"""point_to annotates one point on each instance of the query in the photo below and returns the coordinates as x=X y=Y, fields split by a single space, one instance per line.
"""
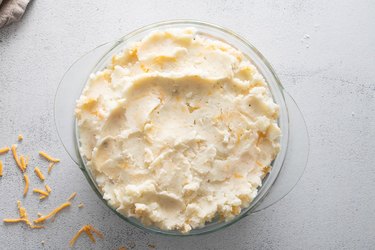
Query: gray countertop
x=324 y=54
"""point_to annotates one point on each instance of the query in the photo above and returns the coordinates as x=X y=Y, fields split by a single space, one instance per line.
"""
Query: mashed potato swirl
x=179 y=128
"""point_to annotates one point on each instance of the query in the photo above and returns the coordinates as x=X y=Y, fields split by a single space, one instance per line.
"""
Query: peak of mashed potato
x=178 y=129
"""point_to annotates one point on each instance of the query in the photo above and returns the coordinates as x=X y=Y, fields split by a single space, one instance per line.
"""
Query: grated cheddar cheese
x=48 y=157
x=50 y=166
x=27 y=181
x=4 y=150
x=42 y=192
x=23 y=162
x=15 y=156
x=49 y=190
x=71 y=197
x=39 y=173
x=89 y=230
x=53 y=213
x=23 y=217
x=15 y=220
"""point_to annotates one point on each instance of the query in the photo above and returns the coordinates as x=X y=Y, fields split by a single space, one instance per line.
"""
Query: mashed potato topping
x=178 y=129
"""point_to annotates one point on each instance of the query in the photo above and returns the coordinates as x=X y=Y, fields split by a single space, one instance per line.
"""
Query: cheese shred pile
x=22 y=162
x=89 y=230
x=23 y=217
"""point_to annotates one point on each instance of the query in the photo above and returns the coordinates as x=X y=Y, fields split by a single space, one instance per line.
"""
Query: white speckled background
x=331 y=75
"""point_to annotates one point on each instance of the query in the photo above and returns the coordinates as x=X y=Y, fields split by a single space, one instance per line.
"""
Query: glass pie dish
x=287 y=167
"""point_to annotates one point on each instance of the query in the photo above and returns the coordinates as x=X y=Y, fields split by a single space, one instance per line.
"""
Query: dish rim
x=275 y=87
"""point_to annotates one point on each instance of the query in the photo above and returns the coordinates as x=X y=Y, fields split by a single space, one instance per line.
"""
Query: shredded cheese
x=96 y=231
x=266 y=170
x=4 y=150
x=42 y=192
x=15 y=156
x=89 y=230
x=24 y=162
x=20 y=137
x=27 y=181
x=49 y=190
x=71 y=197
x=21 y=210
x=23 y=217
x=91 y=236
x=50 y=166
x=53 y=213
x=75 y=237
x=81 y=205
x=1 y=168
x=15 y=220
x=39 y=173
x=35 y=226
x=261 y=136
x=237 y=175
x=259 y=164
x=48 y=157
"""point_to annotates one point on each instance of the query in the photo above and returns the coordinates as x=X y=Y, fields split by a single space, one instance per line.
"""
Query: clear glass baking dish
x=288 y=166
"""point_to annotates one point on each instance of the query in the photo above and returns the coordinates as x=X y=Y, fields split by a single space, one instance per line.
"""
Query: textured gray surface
x=330 y=74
